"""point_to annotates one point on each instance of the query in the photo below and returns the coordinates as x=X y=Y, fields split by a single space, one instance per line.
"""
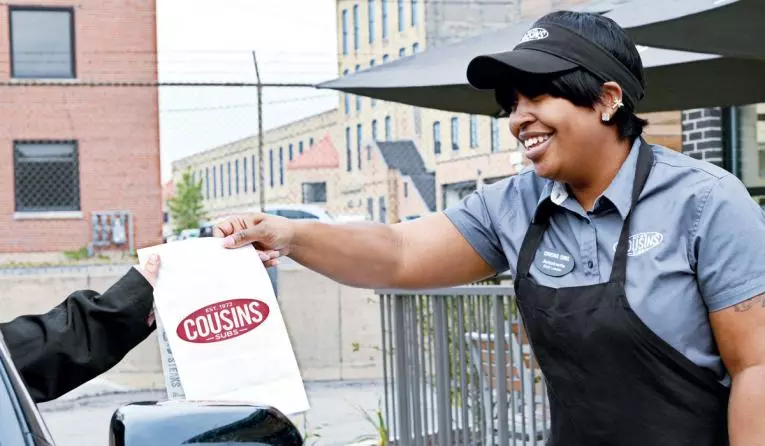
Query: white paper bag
x=172 y=379
x=224 y=328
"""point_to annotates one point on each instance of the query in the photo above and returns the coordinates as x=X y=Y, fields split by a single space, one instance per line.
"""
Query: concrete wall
x=335 y=330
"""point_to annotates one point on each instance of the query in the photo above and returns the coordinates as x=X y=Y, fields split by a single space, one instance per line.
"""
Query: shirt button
x=589 y=264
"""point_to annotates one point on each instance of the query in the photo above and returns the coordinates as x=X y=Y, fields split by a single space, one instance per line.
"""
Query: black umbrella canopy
x=436 y=78
x=732 y=28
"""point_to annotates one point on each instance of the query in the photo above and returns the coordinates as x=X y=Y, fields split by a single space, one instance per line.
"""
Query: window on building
x=359 y=131
x=400 y=15
x=207 y=183
x=255 y=175
x=344 y=21
x=356 y=36
x=455 y=133
x=494 y=135
x=414 y=13
x=42 y=43
x=300 y=147
x=473 y=131
x=271 y=170
x=347 y=97
x=417 y=118
x=291 y=153
x=371 y=14
x=372 y=101
x=401 y=52
x=348 y=152
x=228 y=167
x=244 y=170
x=215 y=182
x=310 y=142
x=374 y=130
x=437 y=137
x=415 y=48
x=388 y=128
x=281 y=166
x=406 y=189
x=383 y=210
x=46 y=176
x=236 y=181
x=314 y=192
x=386 y=58
x=371 y=208
x=222 y=184
x=384 y=5
x=358 y=98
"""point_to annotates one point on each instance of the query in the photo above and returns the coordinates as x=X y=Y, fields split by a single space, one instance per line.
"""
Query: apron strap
x=534 y=235
x=547 y=208
x=644 y=165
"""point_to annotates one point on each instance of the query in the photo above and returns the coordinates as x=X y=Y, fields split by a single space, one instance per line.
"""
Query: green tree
x=186 y=207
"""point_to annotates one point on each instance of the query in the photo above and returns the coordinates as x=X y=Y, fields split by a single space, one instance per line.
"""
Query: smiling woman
x=554 y=101
x=630 y=276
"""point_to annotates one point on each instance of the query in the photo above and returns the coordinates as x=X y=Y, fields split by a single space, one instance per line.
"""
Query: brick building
x=73 y=155
x=230 y=172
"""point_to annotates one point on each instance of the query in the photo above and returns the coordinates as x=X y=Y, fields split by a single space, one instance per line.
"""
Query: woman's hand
x=271 y=235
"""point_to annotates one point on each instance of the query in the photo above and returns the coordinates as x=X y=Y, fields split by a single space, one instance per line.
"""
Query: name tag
x=553 y=263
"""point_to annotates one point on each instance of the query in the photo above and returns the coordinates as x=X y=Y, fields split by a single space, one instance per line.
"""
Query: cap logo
x=535 y=34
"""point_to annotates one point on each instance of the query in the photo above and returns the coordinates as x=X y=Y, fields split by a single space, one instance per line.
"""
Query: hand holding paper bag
x=270 y=234
x=224 y=328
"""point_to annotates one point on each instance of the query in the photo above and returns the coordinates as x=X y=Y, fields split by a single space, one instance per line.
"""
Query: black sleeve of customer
x=81 y=338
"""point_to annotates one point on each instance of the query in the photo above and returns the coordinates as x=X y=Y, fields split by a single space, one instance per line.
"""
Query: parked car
x=300 y=211
x=148 y=423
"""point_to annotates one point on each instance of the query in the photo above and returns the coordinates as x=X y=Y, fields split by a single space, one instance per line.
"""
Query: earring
x=605 y=117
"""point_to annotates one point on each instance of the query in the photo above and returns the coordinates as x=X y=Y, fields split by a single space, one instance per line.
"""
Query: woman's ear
x=610 y=100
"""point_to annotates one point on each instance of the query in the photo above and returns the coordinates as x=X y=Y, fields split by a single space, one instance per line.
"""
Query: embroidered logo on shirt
x=642 y=242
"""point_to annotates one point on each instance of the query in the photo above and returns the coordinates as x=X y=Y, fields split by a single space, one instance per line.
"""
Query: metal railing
x=459 y=369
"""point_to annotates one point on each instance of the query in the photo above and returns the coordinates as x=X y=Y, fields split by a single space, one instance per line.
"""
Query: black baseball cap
x=550 y=49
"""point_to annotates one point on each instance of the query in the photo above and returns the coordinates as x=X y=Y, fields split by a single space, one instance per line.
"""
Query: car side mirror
x=175 y=423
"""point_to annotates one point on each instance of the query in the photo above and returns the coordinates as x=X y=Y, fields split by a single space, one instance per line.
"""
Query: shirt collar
x=619 y=192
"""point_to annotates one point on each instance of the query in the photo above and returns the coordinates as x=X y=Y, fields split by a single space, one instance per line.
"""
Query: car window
x=12 y=427
x=20 y=420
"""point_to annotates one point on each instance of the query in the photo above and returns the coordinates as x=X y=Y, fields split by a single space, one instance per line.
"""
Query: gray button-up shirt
x=697 y=242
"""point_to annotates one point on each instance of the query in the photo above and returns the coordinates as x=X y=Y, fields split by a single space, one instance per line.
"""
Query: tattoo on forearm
x=751 y=303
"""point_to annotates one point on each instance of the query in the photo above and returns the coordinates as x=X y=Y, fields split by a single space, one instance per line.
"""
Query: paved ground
x=78 y=420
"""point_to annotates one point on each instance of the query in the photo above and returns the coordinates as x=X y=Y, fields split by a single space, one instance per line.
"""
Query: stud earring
x=605 y=117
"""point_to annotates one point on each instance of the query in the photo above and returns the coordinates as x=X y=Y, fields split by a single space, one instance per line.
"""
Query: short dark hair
x=579 y=86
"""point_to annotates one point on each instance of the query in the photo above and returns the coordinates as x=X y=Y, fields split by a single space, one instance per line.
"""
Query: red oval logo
x=222 y=320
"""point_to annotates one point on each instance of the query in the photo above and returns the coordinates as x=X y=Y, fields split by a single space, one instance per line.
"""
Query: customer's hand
x=271 y=235
x=150 y=269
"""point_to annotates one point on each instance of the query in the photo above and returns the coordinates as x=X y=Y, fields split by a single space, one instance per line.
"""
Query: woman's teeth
x=531 y=142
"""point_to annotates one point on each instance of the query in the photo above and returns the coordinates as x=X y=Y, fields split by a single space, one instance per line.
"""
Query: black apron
x=611 y=380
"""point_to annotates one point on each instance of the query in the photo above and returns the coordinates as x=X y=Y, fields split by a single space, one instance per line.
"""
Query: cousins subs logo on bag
x=222 y=320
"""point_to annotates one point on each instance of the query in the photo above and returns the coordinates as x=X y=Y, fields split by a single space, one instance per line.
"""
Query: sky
x=205 y=40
